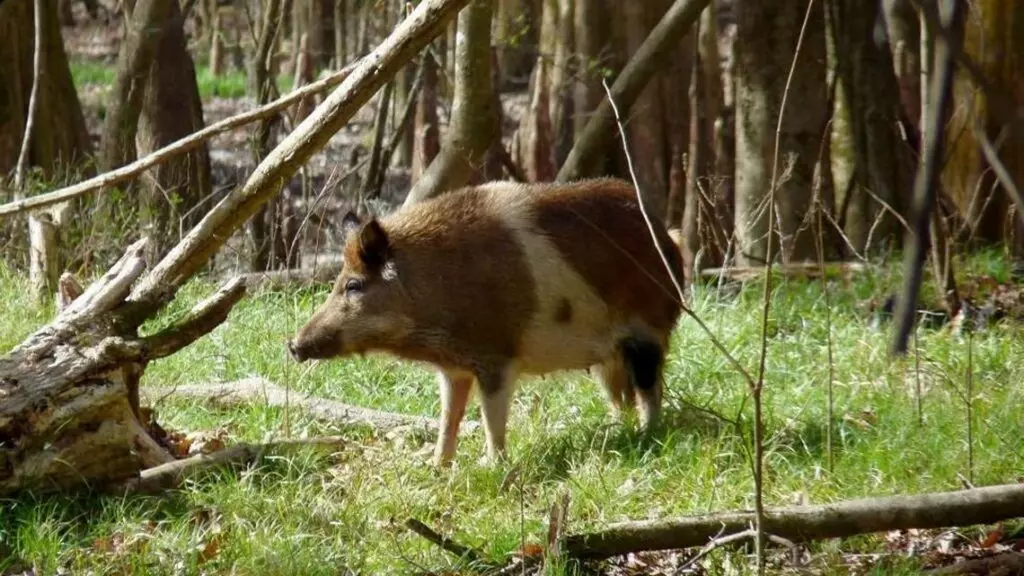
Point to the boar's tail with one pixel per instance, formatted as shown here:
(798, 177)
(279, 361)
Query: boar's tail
(643, 359)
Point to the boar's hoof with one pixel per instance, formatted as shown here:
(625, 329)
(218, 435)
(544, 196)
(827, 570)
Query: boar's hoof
(296, 354)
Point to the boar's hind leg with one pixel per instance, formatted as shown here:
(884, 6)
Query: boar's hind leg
(496, 387)
(456, 388)
(644, 360)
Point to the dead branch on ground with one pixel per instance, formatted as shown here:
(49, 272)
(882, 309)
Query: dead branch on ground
(805, 523)
(173, 474)
(1006, 563)
(443, 542)
(258, 390)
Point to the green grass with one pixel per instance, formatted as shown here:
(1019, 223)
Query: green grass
(312, 513)
(230, 84)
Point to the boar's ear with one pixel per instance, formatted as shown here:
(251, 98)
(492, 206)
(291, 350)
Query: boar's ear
(349, 223)
(374, 246)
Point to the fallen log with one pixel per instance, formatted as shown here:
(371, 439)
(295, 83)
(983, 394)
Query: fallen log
(805, 523)
(1005, 564)
(67, 416)
(173, 474)
(253, 390)
(291, 277)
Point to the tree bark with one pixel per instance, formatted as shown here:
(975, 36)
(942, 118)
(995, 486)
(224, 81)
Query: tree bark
(994, 39)
(473, 126)
(588, 155)
(872, 167)
(67, 388)
(766, 39)
(60, 138)
(171, 110)
(805, 523)
(142, 41)
(562, 72)
(426, 135)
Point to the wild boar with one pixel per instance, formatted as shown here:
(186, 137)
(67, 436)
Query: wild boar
(491, 282)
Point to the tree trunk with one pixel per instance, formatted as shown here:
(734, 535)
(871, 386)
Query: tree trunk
(589, 155)
(426, 139)
(994, 39)
(145, 31)
(766, 39)
(473, 126)
(902, 25)
(592, 31)
(871, 165)
(58, 141)
(534, 135)
(515, 32)
(340, 36)
(267, 227)
(561, 82)
(59, 137)
(68, 418)
(171, 109)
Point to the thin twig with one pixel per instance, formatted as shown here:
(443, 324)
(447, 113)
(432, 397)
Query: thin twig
(947, 45)
(444, 542)
(661, 249)
(175, 148)
(719, 542)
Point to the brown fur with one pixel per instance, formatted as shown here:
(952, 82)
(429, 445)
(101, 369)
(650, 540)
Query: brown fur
(490, 282)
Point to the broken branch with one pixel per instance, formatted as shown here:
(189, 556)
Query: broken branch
(176, 148)
(804, 523)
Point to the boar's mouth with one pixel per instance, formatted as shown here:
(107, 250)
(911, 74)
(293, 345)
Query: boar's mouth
(315, 349)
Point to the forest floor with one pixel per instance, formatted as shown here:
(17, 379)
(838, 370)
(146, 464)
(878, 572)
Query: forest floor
(311, 512)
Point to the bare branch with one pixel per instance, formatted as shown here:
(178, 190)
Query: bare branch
(175, 473)
(445, 543)
(203, 318)
(947, 45)
(173, 149)
(805, 523)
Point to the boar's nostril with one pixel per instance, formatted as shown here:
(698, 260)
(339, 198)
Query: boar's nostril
(296, 354)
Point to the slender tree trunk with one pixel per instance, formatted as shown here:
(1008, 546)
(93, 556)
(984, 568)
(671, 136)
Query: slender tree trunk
(763, 55)
(561, 82)
(592, 32)
(340, 37)
(473, 126)
(171, 109)
(426, 135)
(59, 139)
(902, 25)
(871, 165)
(534, 134)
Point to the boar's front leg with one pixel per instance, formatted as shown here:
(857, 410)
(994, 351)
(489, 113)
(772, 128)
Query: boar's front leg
(496, 387)
(456, 389)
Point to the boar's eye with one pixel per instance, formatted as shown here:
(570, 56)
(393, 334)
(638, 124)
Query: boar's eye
(353, 285)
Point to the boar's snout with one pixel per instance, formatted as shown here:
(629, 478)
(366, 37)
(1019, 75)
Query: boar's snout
(296, 352)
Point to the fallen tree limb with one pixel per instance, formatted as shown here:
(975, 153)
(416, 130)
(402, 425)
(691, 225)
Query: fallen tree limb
(173, 474)
(253, 390)
(177, 148)
(443, 542)
(66, 420)
(1005, 564)
(789, 270)
(804, 523)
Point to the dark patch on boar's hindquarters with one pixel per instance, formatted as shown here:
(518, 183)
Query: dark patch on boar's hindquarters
(576, 212)
(563, 314)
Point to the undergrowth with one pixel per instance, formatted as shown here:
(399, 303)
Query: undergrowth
(316, 513)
